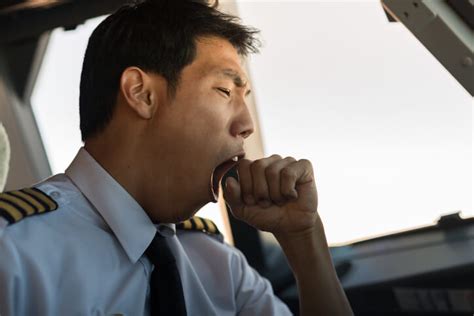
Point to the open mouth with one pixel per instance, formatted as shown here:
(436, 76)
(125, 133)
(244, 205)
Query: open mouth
(220, 171)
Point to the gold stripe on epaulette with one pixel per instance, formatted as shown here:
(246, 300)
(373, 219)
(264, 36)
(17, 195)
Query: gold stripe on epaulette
(16, 205)
(199, 224)
(11, 210)
(29, 210)
(212, 228)
(42, 196)
(28, 198)
(187, 224)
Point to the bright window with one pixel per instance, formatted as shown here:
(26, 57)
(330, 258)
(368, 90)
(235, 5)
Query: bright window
(388, 129)
(55, 98)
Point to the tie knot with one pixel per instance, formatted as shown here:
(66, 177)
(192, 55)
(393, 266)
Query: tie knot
(159, 252)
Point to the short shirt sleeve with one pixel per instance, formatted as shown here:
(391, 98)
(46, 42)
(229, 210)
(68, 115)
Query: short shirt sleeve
(254, 294)
(10, 279)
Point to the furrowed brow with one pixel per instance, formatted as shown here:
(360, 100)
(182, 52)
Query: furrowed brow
(235, 76)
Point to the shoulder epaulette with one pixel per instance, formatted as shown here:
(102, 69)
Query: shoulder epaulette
(16, 205)
(199, 224)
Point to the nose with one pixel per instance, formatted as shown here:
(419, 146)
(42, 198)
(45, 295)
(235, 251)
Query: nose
(243, 124)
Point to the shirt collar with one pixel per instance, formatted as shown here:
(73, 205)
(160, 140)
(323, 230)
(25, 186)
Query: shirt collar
(125, 217)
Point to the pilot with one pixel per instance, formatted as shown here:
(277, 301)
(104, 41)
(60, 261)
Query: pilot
(163, 117)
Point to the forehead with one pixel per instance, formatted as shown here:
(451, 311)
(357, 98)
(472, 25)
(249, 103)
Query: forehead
(217, 57)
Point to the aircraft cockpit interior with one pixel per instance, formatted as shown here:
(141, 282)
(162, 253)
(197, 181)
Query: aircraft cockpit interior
(377, 94)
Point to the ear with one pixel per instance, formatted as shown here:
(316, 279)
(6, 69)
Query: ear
(137, 89)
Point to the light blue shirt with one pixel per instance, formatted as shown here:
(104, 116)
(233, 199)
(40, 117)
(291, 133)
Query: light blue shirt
(87, 257)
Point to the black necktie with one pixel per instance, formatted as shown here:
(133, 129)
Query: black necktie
(166, 290)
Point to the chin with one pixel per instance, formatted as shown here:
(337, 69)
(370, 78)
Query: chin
(182, 217)
(175, 218)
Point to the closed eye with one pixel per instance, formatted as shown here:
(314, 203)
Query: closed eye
(225, 91)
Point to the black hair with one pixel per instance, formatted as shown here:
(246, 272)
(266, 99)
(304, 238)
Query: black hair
(157, 36)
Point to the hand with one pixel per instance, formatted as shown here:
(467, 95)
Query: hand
(274, 194)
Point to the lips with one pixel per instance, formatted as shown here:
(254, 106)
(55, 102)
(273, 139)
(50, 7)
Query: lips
(220, 171)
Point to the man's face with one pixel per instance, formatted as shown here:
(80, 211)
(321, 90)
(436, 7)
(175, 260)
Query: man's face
(203, 127)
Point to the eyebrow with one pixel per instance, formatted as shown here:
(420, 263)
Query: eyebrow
(235, 76)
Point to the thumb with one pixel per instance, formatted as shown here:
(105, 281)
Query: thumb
(232, 195)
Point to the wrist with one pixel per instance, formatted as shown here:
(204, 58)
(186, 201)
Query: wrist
(306, 248)
(302, 237)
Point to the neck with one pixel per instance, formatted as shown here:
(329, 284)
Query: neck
(152, 186)
(119, 163)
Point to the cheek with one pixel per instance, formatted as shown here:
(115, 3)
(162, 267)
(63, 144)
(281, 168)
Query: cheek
(209, 119)
(202, 116)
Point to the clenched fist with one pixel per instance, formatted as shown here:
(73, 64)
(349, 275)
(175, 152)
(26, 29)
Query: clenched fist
(274, 194)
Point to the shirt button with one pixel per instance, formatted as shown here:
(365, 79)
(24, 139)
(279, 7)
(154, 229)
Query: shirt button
(55, 194)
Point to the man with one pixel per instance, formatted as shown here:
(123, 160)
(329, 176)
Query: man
(163, 118)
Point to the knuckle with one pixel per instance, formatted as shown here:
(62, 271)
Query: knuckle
(271, 172)
(306, 162)
(258, 164)
(290, 159)
(275, 156)
(287, 173)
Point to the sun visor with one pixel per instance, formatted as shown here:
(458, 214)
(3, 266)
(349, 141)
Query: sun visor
(445, 28)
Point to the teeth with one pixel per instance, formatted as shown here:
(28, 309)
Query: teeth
(236, 158)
